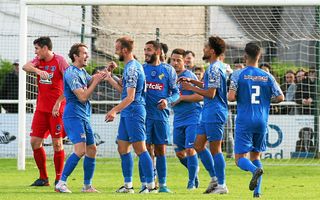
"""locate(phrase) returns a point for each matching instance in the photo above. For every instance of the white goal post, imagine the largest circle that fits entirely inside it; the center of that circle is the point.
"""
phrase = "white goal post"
(23, 34)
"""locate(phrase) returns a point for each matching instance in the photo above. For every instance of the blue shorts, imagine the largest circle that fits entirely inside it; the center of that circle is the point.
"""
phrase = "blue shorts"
(132, 129)
(184, 137)
(213, 131)
(158, 132)
(79, 130)
(247, 141)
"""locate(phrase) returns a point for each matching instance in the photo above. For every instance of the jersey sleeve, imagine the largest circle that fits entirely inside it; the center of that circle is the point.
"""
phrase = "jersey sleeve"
(234, 80)
(173, 86)
(276, 90)
(214, 77)
(35, 62)
(88, 77)
(63, 64)
(131, 76)
(73, 81)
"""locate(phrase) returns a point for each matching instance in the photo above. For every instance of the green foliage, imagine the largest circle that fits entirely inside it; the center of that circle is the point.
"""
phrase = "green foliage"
(279, 69)
(5, 67)
(296, 180)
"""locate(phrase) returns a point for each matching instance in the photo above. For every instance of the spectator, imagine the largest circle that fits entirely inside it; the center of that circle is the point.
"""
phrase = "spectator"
(265, 67)
(306, 93)
(164, 51)
(104, 91)
(10, 88)
(189, 60)
(199, 72)
(300, 75)
(289, 89)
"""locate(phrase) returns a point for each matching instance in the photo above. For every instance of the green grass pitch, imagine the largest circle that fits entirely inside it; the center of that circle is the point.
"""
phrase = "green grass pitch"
(279, 182)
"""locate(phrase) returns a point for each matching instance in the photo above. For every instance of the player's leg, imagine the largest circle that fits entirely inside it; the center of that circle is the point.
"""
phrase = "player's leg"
(75, 130)
(160, 141)
(192, 157)
(126, 157)
(57, 133)
(215, 136)
(205, 156)
(179, 141)
(40, 127)
(89, 162)
(255, 158)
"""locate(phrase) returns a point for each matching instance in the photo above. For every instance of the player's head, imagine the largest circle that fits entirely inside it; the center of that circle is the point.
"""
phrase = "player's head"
(152, 51)
(123, 47)
(79, 54)
(213, 48)
(164, 51)
(189, 59)
(177, 59)
(265, 67)
(199, 72)
(252, 52)
(41, 46)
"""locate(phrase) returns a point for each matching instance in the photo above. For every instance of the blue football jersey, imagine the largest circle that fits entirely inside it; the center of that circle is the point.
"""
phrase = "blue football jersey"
(161, 84)
(133, 77)
(215, 110)
(254, 89)
(75, 78)
(186, 113)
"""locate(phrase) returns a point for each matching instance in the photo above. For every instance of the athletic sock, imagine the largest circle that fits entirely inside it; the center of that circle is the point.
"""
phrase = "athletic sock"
(71, 163)
(184, 161)
(246, 165)
(145, 163)
(58, 159)
(89, 165)
(220, 166)
(41, 158)
(127, 167)
(258, 164)
(207, 161)
(192, 167)
(162, 170)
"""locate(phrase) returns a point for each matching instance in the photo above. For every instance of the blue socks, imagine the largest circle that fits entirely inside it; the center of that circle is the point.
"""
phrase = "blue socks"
(258, 164)
(161, 166)
(145, 168)
(89, 165)
(207, 161)
(127, 167)
(184, 161)
(69, 166)
(246, 165)
(192, 167)
(219, 166)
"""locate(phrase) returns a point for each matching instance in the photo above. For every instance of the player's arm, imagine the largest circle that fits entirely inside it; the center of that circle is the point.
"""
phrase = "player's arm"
(209, 93)
(122, 105)
(30, 67)
(163, 103)
(114, 83)
(56, 107)
(84, 94)
(276, 91)
(192, 81)
(232, 95)
(191, 98)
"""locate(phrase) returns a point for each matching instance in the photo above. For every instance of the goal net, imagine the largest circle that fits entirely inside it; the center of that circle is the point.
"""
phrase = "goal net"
(288, 35)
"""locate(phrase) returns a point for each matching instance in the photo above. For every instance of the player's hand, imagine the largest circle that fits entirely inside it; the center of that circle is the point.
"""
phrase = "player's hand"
(183, 79)
(43, 74)
(110, 116)
(55, 110)
(98, 77)
(186, 85)
(111, 66)
(162, 104)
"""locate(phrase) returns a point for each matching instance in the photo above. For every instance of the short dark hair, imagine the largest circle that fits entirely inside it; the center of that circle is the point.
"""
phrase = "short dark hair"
(164, 47)
(217, 44)
(264, 64)
(43, 41)
(252, 50)
(188, 51)
(155, 44)
(75, 50)
(201, 68)
(126, 42)
(179, 52)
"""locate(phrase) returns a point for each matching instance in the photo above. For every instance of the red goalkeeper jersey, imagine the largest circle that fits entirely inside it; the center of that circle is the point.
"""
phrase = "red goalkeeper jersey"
(50, 89)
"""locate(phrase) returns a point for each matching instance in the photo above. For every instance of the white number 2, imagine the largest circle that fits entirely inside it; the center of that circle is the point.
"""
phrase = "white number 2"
(255, 94)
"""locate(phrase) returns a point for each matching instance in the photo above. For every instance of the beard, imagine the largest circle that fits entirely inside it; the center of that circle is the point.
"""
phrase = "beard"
(121, 58)
(205, 57)
(152, 59)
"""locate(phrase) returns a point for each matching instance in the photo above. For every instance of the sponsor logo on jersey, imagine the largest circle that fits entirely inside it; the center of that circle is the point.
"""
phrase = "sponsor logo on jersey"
(161, 76)
(154, 86)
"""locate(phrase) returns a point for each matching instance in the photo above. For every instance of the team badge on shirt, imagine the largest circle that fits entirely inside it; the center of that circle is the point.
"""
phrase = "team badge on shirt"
(47, 81)
(161, 76)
